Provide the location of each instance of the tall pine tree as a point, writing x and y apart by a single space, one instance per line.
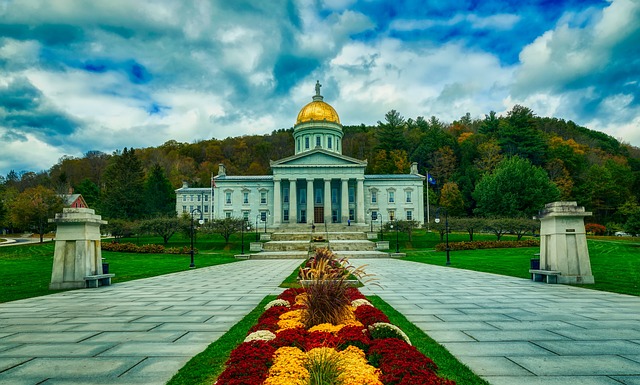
160 198
123 194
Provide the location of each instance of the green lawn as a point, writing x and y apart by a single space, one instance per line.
615 263
25 270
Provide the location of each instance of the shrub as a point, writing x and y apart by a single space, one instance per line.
595 229
129 247
368 315
456 246
380 330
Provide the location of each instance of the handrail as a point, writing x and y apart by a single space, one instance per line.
326 232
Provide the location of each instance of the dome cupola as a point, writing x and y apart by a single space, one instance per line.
318 126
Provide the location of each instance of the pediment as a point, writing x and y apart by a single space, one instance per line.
318 158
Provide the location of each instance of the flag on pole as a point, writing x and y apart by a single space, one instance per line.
431 179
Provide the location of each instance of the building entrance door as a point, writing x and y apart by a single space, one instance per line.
318 214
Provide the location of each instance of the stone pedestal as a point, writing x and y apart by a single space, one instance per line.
77 251
563 242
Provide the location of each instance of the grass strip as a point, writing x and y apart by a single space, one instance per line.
448 366
205 367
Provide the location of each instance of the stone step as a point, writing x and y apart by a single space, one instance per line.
352 245
287 246
281 255
360 254
306 236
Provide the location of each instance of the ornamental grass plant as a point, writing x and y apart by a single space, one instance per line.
325 282
324 367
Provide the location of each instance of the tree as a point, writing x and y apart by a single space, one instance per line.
90 192
159 194
391 133
33 207
470 225
451 199
120 228
515 189
404 226
225 227
123 195
498 226
163 227
522 226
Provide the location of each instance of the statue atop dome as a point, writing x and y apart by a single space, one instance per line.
318 85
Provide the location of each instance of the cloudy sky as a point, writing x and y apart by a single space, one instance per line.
89 75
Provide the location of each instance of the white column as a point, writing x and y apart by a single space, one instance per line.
277 203
327 200
360 201
344 203
309 200
293 203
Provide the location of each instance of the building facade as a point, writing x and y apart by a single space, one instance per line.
315 185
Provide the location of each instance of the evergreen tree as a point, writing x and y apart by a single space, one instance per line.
90 192
123 194
159 195
391 133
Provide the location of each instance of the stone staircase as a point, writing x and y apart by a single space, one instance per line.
299 241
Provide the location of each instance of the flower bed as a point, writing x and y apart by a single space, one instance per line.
362 349
144 249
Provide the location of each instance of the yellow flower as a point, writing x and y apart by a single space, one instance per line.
356 370
290 319
288 367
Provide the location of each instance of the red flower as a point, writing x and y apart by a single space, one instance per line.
248 364
290 295
354 294
290 337
368 315
317 339
354 335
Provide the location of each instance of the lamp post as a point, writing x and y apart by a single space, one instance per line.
193 265
257 217
446 230
265 221
397 242
244 223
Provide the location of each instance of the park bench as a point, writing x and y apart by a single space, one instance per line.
98 280
548 276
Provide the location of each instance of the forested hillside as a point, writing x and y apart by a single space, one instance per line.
587 166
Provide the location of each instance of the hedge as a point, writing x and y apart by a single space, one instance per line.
455 246
129 247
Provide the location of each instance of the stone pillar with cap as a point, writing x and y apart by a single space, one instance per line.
563 242
77 248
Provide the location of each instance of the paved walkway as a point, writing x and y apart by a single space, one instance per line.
508 330
137 332
514 331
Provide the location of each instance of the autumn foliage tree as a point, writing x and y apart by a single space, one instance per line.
32 209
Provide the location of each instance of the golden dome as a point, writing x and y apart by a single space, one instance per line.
317 111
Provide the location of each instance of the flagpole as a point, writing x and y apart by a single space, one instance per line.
211 201
428 217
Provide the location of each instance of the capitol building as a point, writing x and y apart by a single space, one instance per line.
318 184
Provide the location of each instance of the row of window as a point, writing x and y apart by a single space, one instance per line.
391 214
318 142
204 209
189 198
391 195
